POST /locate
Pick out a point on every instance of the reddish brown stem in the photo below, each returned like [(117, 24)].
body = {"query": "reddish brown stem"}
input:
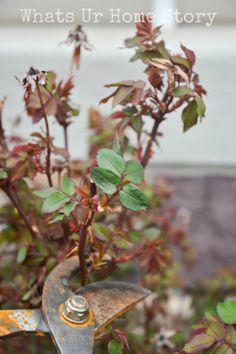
[(146, 155), (176, 105), (121, 218), (159, 117), (83, 239), (82, 256), (2, 132), (12, 195), (48, 159), (129, 256)]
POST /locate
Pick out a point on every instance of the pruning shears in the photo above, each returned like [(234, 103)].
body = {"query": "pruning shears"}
[(72, 318)]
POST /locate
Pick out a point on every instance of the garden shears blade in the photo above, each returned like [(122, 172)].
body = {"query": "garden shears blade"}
[(72, 318)]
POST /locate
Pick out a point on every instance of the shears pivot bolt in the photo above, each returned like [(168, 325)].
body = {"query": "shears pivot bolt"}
[(76, 309)]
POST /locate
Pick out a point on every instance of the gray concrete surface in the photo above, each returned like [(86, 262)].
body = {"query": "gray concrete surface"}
[(210, 201)]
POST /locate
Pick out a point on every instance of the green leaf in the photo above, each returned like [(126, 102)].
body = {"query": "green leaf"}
[(101, 231), (216, 330), (54, 202), (152, 233), (227, 312), (199, 342), (75, 112), (147, 55), (121, 243), (69, 207), (230, 335), (116, 147), (190, 115), (133, 198), (111, 161), (201, 108), (105, 179), (134, 172), (27, 295), (109, 327), (3, 174), (182, 61), (133, 42), (211, 313), (224, 349), (67, 185), (21, 254), (114, 347), (162, 49), (181, 91), (57, 217), (45, 193), (130, 110), (137, 123), (51, 77)]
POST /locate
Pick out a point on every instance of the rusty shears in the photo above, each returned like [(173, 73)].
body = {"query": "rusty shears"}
[(72, 319)]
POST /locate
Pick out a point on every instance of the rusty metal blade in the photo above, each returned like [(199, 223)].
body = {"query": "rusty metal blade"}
[(110, 300), (107, 301), (16, 322), (68, 338)]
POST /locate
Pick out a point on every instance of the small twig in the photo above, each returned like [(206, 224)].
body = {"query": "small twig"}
[(83, 238), (9, 189), (2, 132), (82, 256), (146, 155), (65, 130), (48, 162), (12, 195), (120, 219), (176, 105), (159, 117)]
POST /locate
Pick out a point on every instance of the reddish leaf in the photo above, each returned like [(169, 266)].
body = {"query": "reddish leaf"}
[(76, 56), (151, 257), (64, 89), (190, 55), (119, 114), (126, 92), (199, 340), (144, 28), (121, 336)]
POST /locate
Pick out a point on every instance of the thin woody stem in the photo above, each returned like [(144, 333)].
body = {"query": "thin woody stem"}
[(158, 119), (48, 160), (65, 131), (2, 132), (12, 195), (9, 189), (176, 105), (146, 156), (82, 256), (82, 240)]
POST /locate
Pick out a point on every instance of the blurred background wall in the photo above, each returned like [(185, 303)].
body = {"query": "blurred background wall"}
[(23, 45), (207, 150)]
